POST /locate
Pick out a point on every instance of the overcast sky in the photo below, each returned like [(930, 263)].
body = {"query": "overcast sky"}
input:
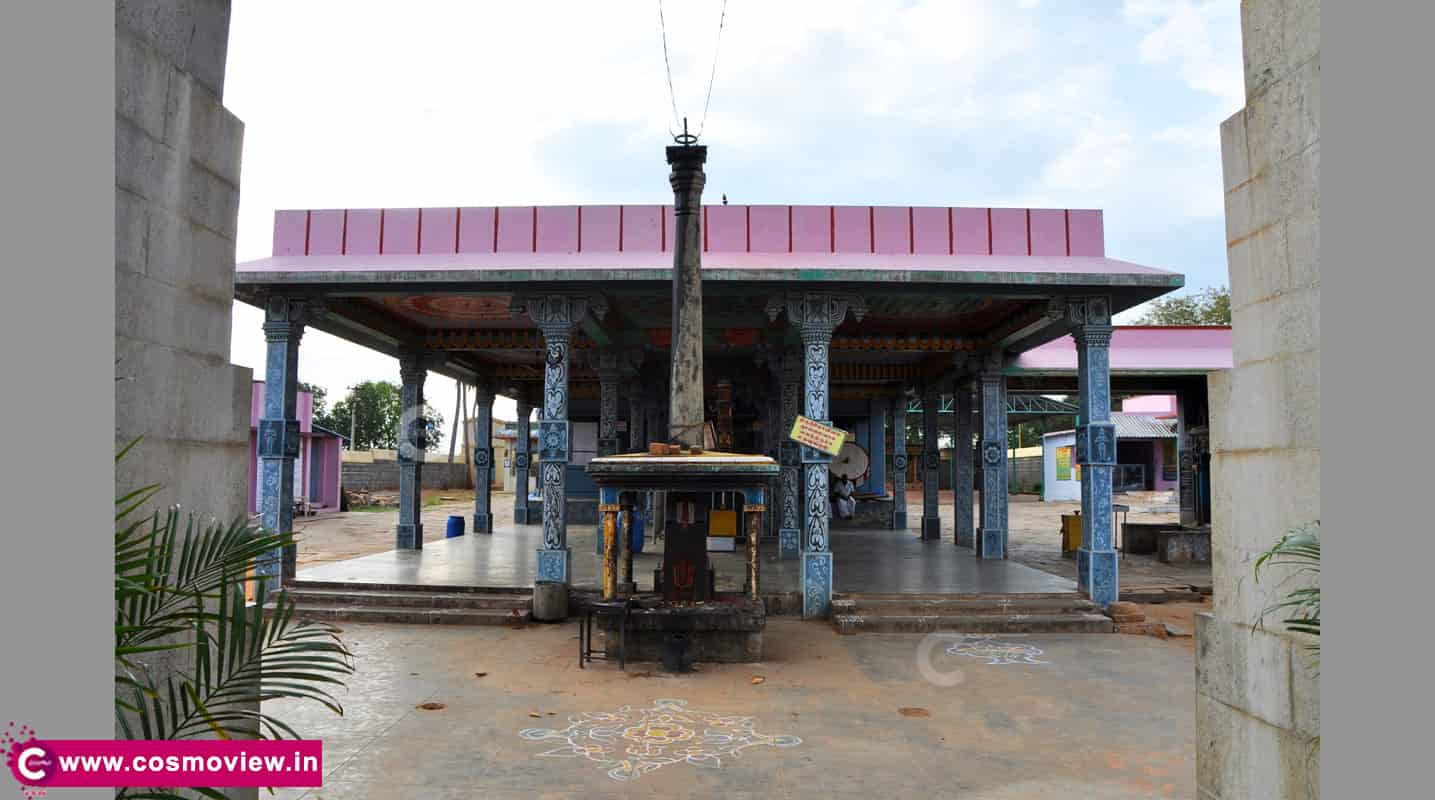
[(1055, 103)]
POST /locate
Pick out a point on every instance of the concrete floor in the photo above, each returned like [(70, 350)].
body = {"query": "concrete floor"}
[(863, 561), (358, 546), (1106, 716)]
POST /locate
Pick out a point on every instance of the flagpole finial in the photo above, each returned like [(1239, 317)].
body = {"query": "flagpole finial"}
[(685, 138)]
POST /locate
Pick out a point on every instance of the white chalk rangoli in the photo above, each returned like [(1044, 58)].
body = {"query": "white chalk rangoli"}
[(996, 652), (634, 741)]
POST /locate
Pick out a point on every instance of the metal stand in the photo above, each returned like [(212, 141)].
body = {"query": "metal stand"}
[(600, 608)]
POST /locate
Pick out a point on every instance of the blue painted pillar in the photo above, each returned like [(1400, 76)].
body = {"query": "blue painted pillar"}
[(522, 458), (931, 464), (556, 315), (877, 438), (816, 315), (964, 462), (278, 436), (899, 462), (789, 532), (413, 369), (483, 459), (1095, 449), (991, 540)]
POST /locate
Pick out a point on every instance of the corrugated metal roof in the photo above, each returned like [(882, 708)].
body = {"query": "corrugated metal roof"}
[(1143, 426)]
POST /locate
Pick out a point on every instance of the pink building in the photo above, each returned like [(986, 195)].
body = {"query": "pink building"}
[(1160, 406), (316, 470)]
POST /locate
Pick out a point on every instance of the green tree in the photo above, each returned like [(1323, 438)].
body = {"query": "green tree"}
[(1210, 306), (379, 408)]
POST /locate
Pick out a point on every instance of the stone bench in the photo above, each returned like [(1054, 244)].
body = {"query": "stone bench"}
[(1184, 546)]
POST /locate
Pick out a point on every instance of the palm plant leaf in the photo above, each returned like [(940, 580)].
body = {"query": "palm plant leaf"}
[(182, 586), (1299, 608)]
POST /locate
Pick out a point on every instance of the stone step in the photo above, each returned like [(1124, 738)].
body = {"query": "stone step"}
[(355, 586), (973, 623), (922, 596), (409, 615), (952, 606), (305, 597)]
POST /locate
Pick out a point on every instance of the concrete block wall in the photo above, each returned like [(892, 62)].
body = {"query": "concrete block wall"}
[(1024, 473), (1257, 705), (383, 476), (177, 152)]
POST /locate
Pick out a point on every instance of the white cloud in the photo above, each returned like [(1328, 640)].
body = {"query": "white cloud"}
[(1195, 38)]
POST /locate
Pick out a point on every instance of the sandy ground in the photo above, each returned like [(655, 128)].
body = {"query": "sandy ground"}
[(339, 536)]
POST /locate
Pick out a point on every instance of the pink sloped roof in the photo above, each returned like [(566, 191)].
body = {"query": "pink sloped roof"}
[(743, 261), (1136, 348), (590, 229), (931, 244)]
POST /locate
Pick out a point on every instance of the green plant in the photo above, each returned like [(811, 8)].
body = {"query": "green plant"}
[(1300, 607), (182, 588)]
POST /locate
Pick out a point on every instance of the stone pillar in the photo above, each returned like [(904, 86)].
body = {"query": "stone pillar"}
[(278, 437), (753, 521), (413, 369), (655, 403), (608, 376), (978, 425), (899, 462), (816, 316), (964, 460), (1095, 449), (483, 459), (991, 539), (625, 549), (608, 519), (521, 461), (1186, 474), (931, 464), (685, 416), (877, 436), (636, 442), (789, 532), (556, 316)]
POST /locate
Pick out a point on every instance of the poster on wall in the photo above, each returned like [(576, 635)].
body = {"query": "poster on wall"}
[(1063, 463)]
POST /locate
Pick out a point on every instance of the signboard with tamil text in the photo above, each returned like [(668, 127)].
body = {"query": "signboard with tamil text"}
[(814, 434)]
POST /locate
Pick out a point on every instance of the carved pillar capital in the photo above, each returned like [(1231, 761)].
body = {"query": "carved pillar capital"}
[(286, 317), (414, 365), (556, 315), (817, 314), (687, 177), (1081, 310)]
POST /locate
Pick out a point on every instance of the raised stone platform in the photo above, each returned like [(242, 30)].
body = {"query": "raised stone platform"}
[(726, 630)]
